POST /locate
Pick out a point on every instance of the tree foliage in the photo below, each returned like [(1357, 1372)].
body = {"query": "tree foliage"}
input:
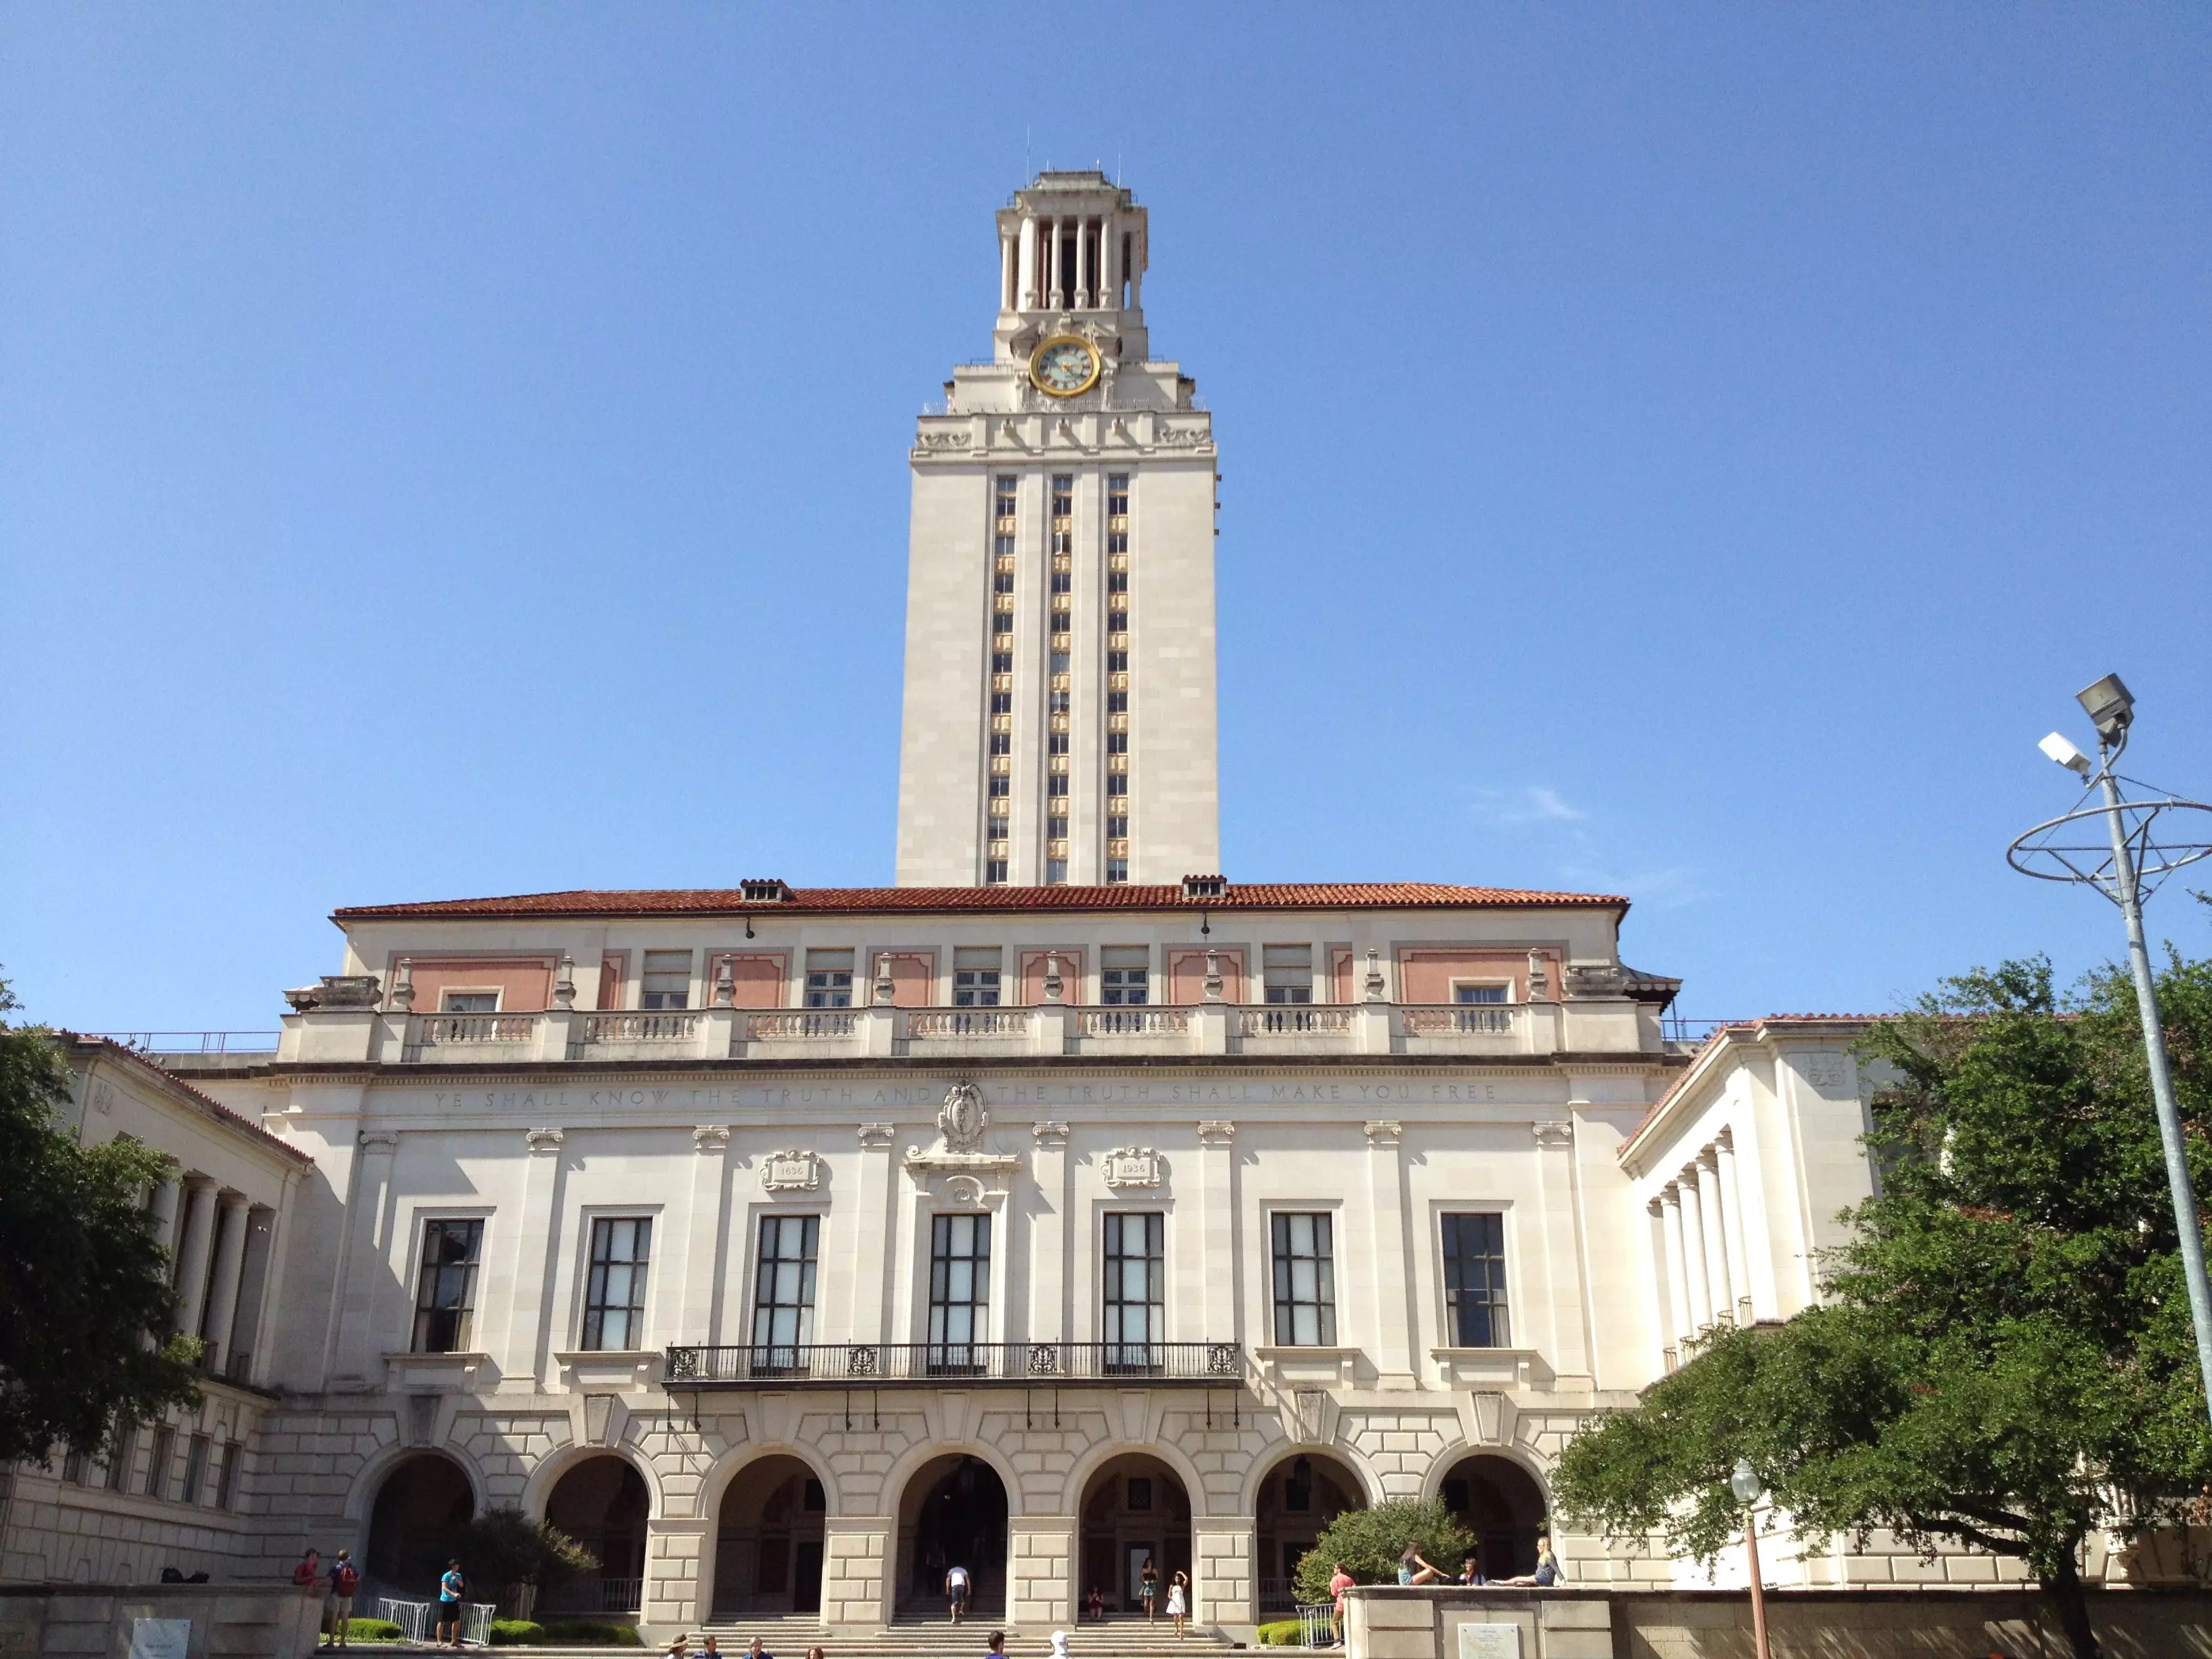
[(1370, 1541), (2004, 1357), (505, 1547), (85, 1303)]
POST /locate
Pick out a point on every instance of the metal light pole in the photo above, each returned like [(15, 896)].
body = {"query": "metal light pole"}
[(2126, 863), (1744, 1482)]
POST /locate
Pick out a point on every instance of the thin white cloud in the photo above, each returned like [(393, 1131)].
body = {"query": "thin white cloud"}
[(1579, 852), (1536, 803)]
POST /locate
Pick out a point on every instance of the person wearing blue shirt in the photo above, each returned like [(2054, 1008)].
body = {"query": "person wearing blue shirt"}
[(450, 1588)]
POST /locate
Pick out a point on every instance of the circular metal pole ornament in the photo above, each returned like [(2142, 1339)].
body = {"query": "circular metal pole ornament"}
[(2141, 842)]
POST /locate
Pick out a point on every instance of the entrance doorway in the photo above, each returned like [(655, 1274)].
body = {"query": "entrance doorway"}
[(420, 1507), (1299, 1497), (1134, 1511), (768, 1541), (1500, 1503), (953, 1513), (602, 1502)]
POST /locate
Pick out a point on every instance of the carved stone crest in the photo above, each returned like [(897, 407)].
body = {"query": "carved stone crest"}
[(1823, 1068), (791, 1171), (962, 1121), (1131, 1166)]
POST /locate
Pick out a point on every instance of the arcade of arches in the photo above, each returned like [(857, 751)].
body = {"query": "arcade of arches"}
[(423, 1502), (1134, 1511), (602, 1502), (769, 1541), (1499, 1502), (1299, 1497)]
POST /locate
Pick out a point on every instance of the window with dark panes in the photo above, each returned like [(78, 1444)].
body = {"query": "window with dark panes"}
[(446, 1292), (1305, 1281), (614, 1294), (783, 1290), (1135, 1301), (959, 1290), (1475, 1280)]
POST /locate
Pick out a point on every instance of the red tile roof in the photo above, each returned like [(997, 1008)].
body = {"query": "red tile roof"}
[(208, 1103), (867, 900)]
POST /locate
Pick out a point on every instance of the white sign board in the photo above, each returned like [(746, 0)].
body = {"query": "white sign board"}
[(1490, 1642), (159, 1638)]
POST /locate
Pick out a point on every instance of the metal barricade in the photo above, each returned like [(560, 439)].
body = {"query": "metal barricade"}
[(1315, 1619)]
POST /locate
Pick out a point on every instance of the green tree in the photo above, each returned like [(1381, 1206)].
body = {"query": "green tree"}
[(85, 1303), (501, 1549), (2004, 1357), (1370, 1541)]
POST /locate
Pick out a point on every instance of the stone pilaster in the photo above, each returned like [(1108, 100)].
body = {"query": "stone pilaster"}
[(1041, 1564), (856, 1571), (1222, 1553), (674, 1586)]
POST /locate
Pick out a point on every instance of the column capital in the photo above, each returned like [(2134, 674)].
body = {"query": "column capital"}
[(1383, 1133), (1215, 1132)]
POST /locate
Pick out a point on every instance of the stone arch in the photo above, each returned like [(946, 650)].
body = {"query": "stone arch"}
[(1287, 1522), (604, 1503), (1370, 1484), (768, 1539), (1498, 1494), (1173, 1456), (734, 1462), (423, 1497), (550, 1469), (954, 1508), (1115, 1534), (368, 1478), (900, 1473)]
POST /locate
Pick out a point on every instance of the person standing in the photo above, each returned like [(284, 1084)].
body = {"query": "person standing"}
[(1148, 1591), (309, 1572), (450, 1588), (338, 1604), (955, 1590), (1179, 1599), (1338, 1582), (996, 1647)]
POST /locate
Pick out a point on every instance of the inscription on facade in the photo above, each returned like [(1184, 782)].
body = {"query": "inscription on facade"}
[(791, 1171), (1131, 1166)]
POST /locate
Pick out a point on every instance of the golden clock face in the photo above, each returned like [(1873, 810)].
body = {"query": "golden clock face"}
[(1065, 365)]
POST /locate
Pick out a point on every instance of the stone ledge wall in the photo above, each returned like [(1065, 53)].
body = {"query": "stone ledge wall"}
[(1385, 1622), (94, 1621)]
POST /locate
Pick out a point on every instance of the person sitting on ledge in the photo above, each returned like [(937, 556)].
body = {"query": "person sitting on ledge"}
[(1413, 1570), (1547, 1566)]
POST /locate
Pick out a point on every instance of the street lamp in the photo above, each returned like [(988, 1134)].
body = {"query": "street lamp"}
[(1744, 1484), (2126, 858)]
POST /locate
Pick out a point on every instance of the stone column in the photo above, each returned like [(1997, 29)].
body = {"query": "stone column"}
[(526, 1282), (1676, 1324), (1562, 1302), (1109, 261), (1009, 294), (1046, 1303), (1693, 1252), (193, 1254), (1217, 1197), (163, 1204), (1397, 1331), (1026, 257), (1739, 1258), (1041, 1590), (360, 1338), (697, 1321), (1224, 1590), (222, 1293), (1717, 1266), (876, 1245)]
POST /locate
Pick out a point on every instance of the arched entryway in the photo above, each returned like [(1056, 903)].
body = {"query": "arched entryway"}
[(602, 1502), (1300, 1496), (1500, 1503), (768, 1539), (1134, 1511), (423, 1503), (953, 1513)]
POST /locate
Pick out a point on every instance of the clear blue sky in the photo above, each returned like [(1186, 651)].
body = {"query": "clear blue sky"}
[(1691, 452)]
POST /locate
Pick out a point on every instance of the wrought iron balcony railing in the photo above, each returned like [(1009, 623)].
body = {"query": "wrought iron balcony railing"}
[(877, 1365)]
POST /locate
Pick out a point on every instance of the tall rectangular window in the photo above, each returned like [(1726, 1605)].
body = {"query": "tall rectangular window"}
[(1288, 971), (196, 1468), (1305, 1281), (118, 1457), (1117, 495), (445, 1293), (1063, 495), (829, 978), (1475, 1280), (1136, 1287), (959, 1291), (783, 1290), (614, 1293), (157, 1464), (668, 980), (1002, 492), (226, 1481)]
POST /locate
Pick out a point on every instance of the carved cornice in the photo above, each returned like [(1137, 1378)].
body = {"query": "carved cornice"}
[(1553, 1132), (1384, 1133), (544, 1140), (877, 1134), (1049, 1131), (711, 1140), (1215, 1132)]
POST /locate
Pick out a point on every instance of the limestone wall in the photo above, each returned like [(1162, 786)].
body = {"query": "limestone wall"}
[(229, 1621)]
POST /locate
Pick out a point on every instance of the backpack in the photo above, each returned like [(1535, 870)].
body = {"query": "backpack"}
[(345, 1580)]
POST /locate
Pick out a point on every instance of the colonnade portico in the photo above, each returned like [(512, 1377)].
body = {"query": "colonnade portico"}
[(218, 1239)]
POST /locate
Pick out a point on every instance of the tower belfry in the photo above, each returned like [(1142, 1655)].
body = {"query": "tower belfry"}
[(1059, 719)]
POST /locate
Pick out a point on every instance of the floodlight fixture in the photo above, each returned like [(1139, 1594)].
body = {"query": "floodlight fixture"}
[(2065, 754), (2108, 703)]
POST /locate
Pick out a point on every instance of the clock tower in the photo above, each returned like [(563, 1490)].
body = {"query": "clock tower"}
[(1059, 716)]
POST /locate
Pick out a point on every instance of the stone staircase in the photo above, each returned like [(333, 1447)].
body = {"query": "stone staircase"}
[(933, 1636)]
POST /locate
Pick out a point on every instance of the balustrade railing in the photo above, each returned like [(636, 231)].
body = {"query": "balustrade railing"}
[(949, 1024), (453, 1031), (1460, 1019), (869, 1364), (1133, 1022), (1294, 1020), (634, 1026), (800, 1026), (596, 1595)]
